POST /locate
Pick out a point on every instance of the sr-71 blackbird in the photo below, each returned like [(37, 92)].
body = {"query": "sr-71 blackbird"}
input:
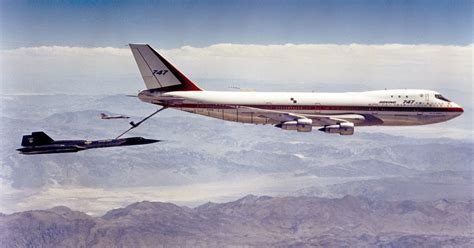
[(41, 143)]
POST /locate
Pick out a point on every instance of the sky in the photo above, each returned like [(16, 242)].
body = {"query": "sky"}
[(81, 46), (171, 24)]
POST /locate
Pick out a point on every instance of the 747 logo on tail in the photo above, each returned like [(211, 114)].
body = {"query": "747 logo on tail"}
[(159, 72)]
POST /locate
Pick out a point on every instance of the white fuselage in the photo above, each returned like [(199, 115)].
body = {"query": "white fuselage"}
[(384, 107)]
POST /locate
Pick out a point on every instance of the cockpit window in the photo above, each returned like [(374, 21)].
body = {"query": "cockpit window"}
[(440, 97)]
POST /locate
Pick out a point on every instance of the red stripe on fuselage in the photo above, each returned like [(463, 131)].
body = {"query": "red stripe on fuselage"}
[(186, 84), (323, 108)]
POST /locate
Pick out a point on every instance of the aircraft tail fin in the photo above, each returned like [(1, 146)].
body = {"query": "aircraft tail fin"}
[(36, 138), (158, 73)]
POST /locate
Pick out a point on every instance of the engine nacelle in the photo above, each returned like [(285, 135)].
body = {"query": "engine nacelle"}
[(345, 128), (300, 125)]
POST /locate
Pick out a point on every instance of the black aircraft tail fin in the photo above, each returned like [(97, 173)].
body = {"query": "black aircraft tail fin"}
[(36, 139)]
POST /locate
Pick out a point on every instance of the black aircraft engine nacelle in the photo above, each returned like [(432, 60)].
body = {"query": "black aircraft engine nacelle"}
[(300, 125), (345, 128)]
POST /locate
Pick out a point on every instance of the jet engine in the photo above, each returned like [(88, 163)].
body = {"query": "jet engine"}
[(345, 128), (300, 125)]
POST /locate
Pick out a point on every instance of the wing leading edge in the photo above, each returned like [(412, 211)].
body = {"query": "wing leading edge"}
[(318, 120), (342, 124)]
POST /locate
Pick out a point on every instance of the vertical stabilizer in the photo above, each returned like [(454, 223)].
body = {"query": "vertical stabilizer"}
[(159, 73), (35, 139)]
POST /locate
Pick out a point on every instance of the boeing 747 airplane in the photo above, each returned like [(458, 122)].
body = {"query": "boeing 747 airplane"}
[(333, 112)]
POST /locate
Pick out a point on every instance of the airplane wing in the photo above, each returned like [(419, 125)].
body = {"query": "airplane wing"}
[(318, 120)]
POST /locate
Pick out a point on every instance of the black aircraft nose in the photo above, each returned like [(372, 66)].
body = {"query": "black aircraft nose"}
[(149, 141), (140, 141)]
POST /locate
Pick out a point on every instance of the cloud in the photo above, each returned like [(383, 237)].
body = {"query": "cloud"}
[(375, 65), (112, 70)]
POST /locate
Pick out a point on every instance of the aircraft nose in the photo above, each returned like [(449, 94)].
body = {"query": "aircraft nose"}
[(150, 141), (458, 109)]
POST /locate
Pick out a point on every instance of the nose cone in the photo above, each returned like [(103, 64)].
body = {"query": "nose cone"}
[(456, 110), (139, 141), (150, 141)]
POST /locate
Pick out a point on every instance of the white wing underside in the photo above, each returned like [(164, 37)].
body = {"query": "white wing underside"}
[(318, 120), (281, 116)]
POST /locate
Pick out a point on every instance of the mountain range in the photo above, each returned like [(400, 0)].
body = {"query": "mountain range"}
[(250, 221)]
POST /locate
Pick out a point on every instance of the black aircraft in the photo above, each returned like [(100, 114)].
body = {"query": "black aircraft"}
[(40, 143)]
